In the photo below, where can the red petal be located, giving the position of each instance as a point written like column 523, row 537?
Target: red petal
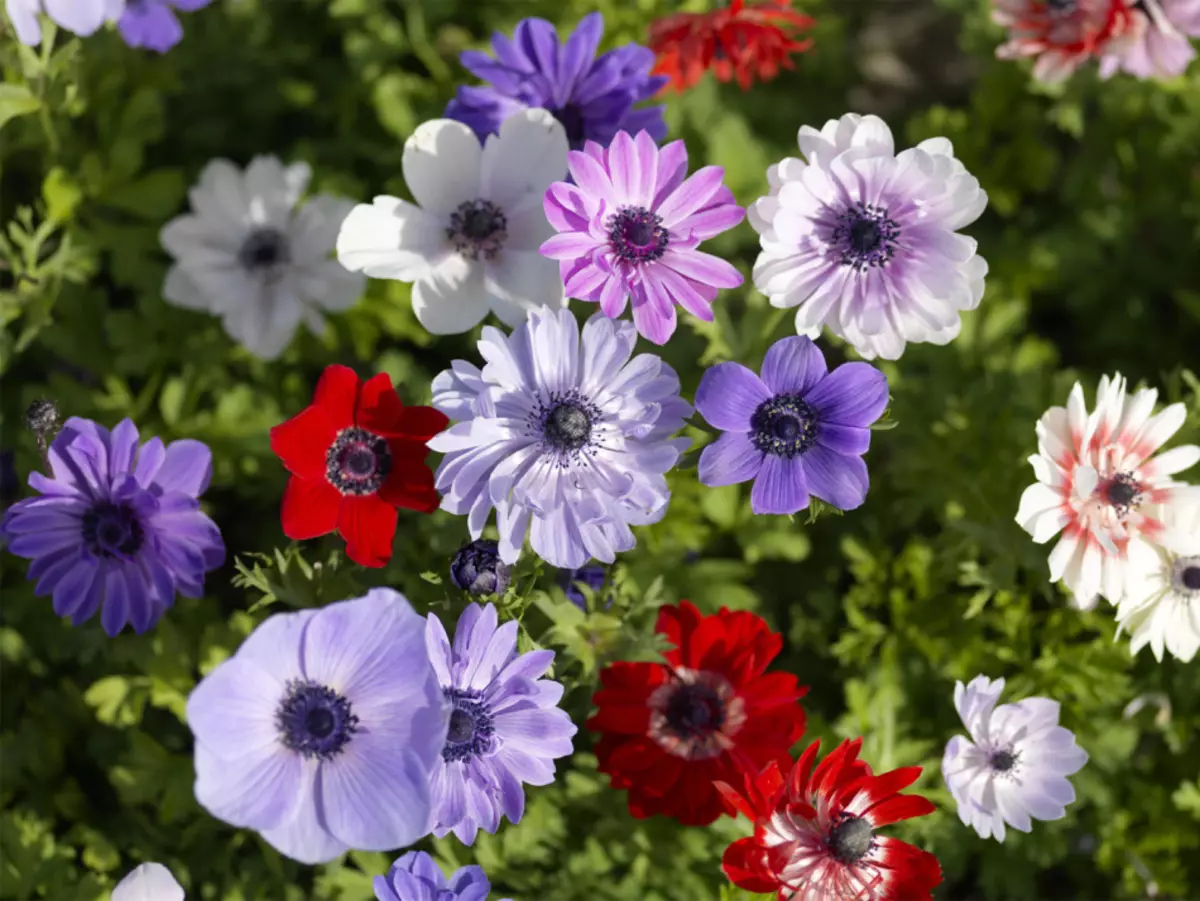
column 302, row 442
column 912, row 873
column 899, row 807
column 337, row 395
column 310, row 508
column 874, row 790
column 628, row 719
column 410, row 486
column 369, row 526
column 422, row 423
column 744, row 862
column 734, row 802
column 379, row 407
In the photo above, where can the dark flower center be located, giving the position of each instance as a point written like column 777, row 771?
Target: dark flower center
column 784, row 426
column 1122, row 493
column 573, row 123
column 636, row 235
column 358, row 461
column 1061, row 7
column 471, row 733
column 865, row 236
column 695, row 711
column 264, row 248
column 1002, row 761
column 478, row 229
column 41, row 417
column 851, row 839
column 1186, row 574
column 565, row 424
column 314, row 720
column 477, row 568
column 112, row 530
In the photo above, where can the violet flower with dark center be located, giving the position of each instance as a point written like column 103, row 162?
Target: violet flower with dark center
column 153, row 24
column 477, row 568
column 416, row 877
column 797, row 431
column 592, row 97
column 118, row 526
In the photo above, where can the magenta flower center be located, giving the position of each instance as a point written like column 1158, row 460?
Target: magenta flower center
column 358, row 462
column 314, row 720
column 264, row 248
column 471, row 732
column 478, row 229
column 784, row 426
column 850, row 839
column 636, row 235
column 112, row 530
column 865, row 237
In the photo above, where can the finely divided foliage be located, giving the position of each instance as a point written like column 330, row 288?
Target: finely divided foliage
column 325, row 721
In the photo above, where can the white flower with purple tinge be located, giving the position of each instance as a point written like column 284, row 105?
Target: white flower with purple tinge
column 566, row 436
column 1161, row 606
column 1158, row 46
column 797, row 430
column 1015, row 765
column 247, row 254
column 153, row 24
column 323, row 729
column 629, row 227
column 864, row 241
column 81, row 17
column 505, row 728
column 118, row 526
column 148, row 882
column 470, row 242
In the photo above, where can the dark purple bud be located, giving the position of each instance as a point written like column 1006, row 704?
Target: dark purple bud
column 593, row 575
column 476, row 568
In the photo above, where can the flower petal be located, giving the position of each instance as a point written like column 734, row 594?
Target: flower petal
column 728, row 395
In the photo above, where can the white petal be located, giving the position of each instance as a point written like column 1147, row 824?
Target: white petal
column 148, row 882
column 1041, row 512
column 180, row 290
column 525, row 158
column 442, row 159
column 391, row 239
column 451, row 298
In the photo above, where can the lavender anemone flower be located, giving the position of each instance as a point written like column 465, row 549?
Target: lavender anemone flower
column 864, row 241
column 321, row 732
column 415, row 877
column 118, row 526
column 81, row 17
column 797, row 430
column 592, row 98
column 505, row 728
column 153, row 24
column 567, row 437
column 630, row 226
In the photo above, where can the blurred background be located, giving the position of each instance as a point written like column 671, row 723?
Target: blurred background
column 1091, row 235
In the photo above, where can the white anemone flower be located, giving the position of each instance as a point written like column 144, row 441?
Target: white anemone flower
column 247, row 254
column 470, row 242
column 148, row 882
column 1161, row 606
column 1014, row 767
column 864, row 241
column 1097, row 483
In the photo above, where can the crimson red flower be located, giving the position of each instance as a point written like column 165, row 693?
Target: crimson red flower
column 712, row 712
column 1062, row 34
column 814, row 835
column 739, row 41
column 356, row 455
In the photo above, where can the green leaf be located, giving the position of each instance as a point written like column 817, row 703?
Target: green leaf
column 61, row 193
column 16, row 100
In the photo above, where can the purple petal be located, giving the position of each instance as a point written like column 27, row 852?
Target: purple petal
column 232, row 710
column 117, row 601
column 836, row 479
column 672, row 169
column 653, row 312
column 580, row 50
column 793, row 366
column 706, row 223
column 275, row 644
column 149, row 461
column 728, row 395
column 187, row 468
column 590, row 176
column 690, row 196
column 304, row 837
column 730, row 459
column 568, row 246
column 499, row 651
column 257, row 791
column 703, row 267
column 437, row 646
column 124, row 447
column 544, row 733
column 375, row 795
column 844, row 439
column 150, row 25
column 73, row 588
column 781, row 487
column 853, row 394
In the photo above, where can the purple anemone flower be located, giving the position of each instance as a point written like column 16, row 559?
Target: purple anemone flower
column 415, row 877
column 81, row 17
column 592, row 98
column 630, row 226
column 798, row 430
column 505, row 728
column 153, row 24
column 322, row 730
column 118, row 526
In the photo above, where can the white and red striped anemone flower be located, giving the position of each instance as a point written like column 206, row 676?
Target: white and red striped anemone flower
column 1097, row 479
column 1062, row 34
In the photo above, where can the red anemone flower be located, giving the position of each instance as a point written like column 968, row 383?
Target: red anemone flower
column 356, row 455
column 814, row 834
column 712, row 712
column 1062, row 34
column 739, row 41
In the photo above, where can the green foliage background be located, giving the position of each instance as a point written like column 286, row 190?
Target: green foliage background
column 1091, row 235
